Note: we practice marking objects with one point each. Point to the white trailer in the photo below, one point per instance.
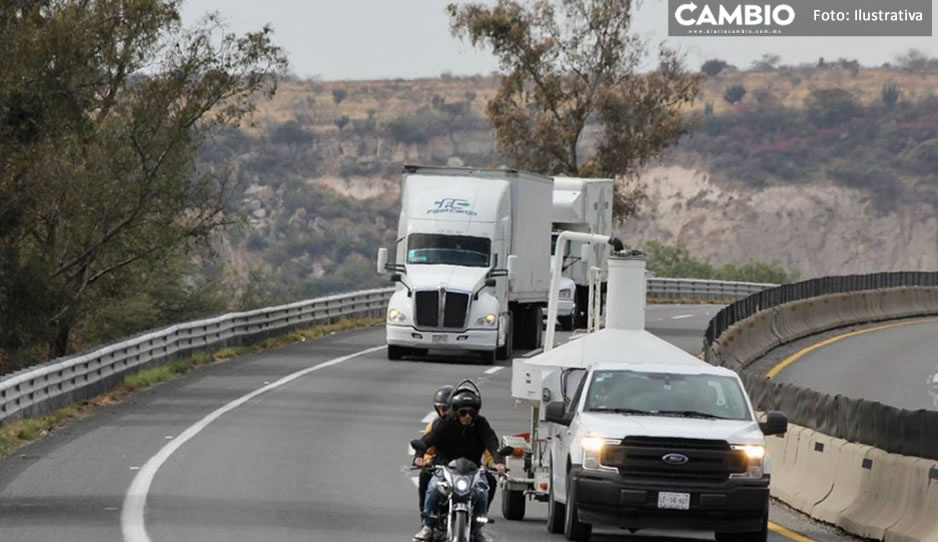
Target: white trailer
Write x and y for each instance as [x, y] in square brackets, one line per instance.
[472, 262]
[581, 205]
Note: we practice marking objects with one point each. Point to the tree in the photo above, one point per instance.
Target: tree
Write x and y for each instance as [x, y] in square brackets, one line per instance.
[104, 105]
[713, 67]
[890, 94]
[341, 122]
[338, 95]
[569, 67]
[734, 94]
[830, 107]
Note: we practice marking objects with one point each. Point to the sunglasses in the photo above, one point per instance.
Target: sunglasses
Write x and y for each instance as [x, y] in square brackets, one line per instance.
[466, 412]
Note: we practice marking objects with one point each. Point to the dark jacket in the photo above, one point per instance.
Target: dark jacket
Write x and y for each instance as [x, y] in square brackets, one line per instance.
[454, 440]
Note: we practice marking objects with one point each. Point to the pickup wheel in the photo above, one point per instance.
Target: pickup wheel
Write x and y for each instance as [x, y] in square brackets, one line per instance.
[757, 536]
[566, 322]
[573, 528]
[395, 352]
[513, 504]
[556, 512]
[488, 358]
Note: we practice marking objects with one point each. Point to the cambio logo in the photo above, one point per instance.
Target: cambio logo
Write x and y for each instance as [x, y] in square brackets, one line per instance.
[741, 15]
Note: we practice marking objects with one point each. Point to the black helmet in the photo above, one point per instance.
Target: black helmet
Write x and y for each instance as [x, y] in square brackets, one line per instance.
[466, 397]
[442, 396]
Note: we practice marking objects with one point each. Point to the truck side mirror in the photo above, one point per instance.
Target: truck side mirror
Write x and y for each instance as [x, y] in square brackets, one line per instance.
[512, 266]
[396, 277]
[382, 259]
[556, 413]
[490, 283]
[776, 423]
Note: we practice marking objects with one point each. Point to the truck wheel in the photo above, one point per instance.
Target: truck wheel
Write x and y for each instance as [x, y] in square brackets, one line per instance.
[757, 536]
[573, 528]
[488, 358]
[395, 352]
[581, 314]
[556, 512]
[513, 503]
[566, 322]
[505, 352]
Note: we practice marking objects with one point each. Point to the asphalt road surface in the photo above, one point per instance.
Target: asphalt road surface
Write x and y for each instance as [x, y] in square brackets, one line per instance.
[896, 366]
[318, 456]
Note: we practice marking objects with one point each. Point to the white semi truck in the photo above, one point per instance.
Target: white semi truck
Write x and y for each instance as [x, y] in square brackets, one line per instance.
[585, 206]
[629, 431]
[472, 262]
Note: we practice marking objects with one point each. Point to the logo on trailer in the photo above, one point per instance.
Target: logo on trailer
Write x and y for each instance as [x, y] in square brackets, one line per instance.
[455, 206]
[675, 459]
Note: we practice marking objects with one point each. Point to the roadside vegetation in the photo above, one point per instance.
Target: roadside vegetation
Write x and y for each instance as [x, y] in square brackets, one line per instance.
[668, 261]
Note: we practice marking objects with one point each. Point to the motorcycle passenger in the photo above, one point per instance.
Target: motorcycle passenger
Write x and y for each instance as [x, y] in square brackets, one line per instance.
[441, 406]
[462, 434]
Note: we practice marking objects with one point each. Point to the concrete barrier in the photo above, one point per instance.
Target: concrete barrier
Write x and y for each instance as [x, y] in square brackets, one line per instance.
[874, 488]
[893, 500]
[818, 467]
[919, 522]
[848, 477]
[789, 475]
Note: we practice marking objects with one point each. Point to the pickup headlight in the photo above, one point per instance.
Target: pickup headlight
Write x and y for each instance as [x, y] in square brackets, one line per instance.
[566, 293]
[397, 316]
[592, 451]
[755, 455]
[489, 320]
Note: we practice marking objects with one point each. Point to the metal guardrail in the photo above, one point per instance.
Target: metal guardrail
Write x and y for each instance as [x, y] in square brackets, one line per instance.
[702, 289]
[41, 389]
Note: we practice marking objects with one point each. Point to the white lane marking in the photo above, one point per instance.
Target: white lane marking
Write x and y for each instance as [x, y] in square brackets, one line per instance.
[682, 316]
[533, 353]
[429, 417]
[415, 480]
[493, 370]
[132, 517]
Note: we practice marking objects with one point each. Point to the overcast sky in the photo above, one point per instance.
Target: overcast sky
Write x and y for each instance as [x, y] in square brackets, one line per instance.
[377, 39]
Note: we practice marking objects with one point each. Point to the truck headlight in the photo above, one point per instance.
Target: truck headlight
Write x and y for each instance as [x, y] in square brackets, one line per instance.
[488, 320]
[395, 315]
[566, 293]
[755, 455]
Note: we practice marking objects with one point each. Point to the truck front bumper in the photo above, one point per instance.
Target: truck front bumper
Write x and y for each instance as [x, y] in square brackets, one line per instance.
[606, 498]
[479, 340]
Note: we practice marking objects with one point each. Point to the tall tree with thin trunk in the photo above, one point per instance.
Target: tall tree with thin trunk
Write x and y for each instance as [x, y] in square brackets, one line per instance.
[572, 99]
[103, 105]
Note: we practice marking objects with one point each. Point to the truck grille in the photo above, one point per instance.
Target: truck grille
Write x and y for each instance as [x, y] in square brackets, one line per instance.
[640, 458]
[427, 309]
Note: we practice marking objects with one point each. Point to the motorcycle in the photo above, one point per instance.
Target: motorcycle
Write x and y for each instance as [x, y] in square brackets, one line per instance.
[457, 488]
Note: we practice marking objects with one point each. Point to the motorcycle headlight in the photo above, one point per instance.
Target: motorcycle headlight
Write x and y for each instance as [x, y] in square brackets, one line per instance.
[488, 320]
[395, 315]
[755, 456]
[566, 293]
[462, 485]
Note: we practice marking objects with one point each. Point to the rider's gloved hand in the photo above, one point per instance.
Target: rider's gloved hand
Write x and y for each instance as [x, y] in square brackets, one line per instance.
[500, 467]
[420, 462]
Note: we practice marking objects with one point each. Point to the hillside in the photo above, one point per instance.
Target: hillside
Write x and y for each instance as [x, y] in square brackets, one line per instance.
[810, 168]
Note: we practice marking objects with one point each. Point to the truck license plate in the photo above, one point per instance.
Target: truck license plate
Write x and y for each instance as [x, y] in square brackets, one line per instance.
[674, 501]
[440, 339]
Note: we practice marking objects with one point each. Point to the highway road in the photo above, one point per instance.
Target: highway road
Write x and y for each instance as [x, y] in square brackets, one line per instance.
[304, 442]
[895, 365]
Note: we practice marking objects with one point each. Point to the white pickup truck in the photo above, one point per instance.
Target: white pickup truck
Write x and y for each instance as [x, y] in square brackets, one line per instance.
[632, 432]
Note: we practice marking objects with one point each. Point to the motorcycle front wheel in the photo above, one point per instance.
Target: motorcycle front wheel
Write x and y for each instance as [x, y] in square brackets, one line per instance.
[461, 526]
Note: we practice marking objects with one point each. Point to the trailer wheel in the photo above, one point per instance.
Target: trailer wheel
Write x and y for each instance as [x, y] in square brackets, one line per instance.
[513, 503]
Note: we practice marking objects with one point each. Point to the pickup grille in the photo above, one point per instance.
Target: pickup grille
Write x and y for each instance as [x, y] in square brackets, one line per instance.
[427, 309]
[639, 458]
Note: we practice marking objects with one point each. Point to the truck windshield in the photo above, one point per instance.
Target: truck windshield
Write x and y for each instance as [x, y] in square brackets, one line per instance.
[667, 394]
[431, 248]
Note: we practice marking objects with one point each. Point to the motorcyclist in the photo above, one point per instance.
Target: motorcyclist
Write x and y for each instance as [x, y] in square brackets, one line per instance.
[462, 434]
[441, 406]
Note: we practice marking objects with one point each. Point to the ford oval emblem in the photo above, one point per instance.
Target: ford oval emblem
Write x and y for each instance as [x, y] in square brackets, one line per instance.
[675, 459]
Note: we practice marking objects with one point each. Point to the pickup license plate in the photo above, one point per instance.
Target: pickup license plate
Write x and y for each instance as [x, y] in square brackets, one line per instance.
[440, 339]
[674, 501]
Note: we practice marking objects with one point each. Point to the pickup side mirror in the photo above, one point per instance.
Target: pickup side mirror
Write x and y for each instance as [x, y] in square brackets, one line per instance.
[382, 260]
[556, 413]
[776, 423]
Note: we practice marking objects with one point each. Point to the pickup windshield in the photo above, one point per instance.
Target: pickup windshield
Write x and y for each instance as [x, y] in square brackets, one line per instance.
[431, 248]
[667, 394]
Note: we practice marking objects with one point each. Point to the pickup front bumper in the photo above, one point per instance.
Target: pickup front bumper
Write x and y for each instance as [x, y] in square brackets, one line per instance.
[606, 498]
